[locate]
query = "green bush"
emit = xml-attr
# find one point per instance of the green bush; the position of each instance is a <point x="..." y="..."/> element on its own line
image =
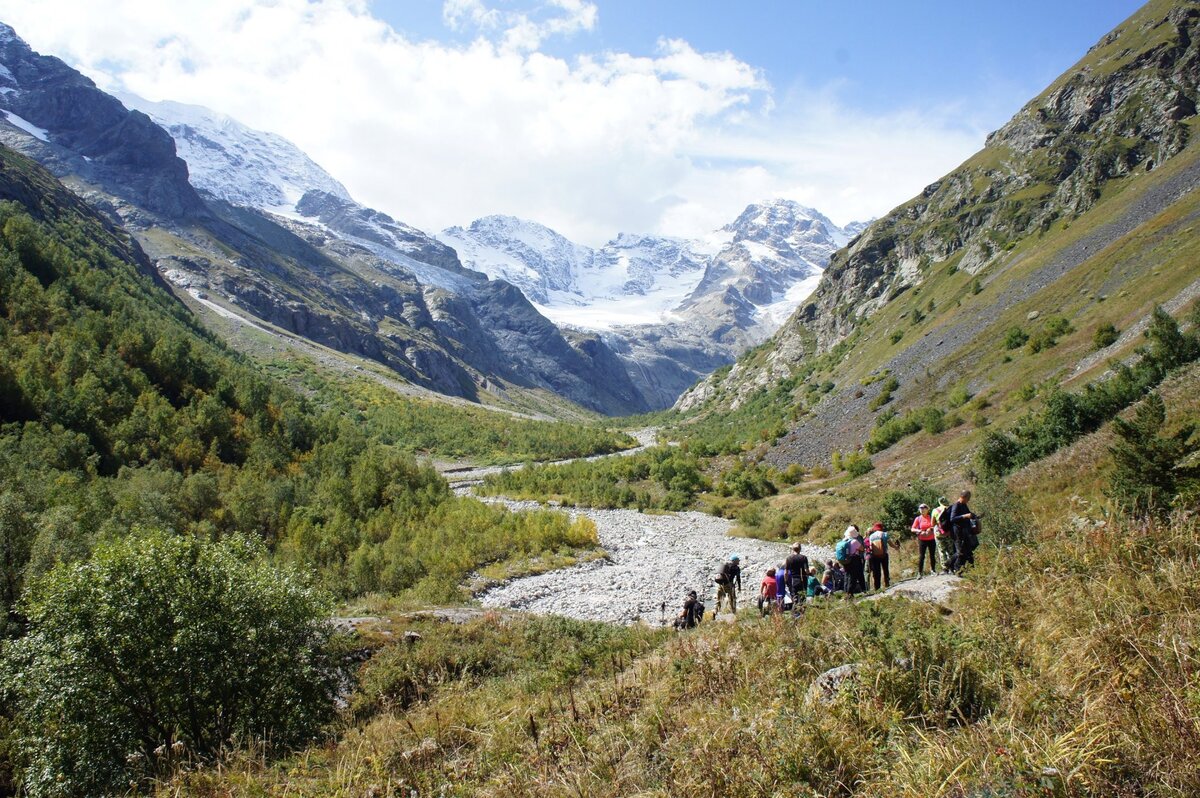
<point x="1065" y="416"/>
<point x="959" y="396"/>
<point x="886" y="393"/>
<point x="896" y="336"/>
<point x="1105" y="336"/>
<point x="890" y="427"/>
<point x="898" y="508"/>
<point x="1054" y="328"/>
<point x="1150" y="469"/>
<point x="1015" y="338"/>
<point x="857" y="464"/>
<point x="746" y="481"/>
<point x="161" y="648"/>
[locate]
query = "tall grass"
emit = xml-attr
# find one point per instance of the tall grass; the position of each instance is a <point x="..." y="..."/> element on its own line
<point x="1067" y="665"/>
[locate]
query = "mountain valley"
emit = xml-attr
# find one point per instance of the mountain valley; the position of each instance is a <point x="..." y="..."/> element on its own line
<point x="299" y="499"/>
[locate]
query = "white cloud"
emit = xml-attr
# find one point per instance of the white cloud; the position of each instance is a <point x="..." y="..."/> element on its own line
<point x="438" y="134"/>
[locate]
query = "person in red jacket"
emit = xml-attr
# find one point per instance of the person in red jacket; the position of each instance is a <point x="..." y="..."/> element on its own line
<point x="925" y="528"/>
<point x="767" y="593"/>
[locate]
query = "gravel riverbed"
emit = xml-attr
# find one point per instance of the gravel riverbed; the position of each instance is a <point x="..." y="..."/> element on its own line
<point x="653" y="559"/>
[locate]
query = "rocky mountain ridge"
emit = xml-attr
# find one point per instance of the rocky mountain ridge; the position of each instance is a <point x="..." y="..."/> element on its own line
<point x="673" y="309"/>
<point x="1037" y="222"/>
<point x="344" y="276"/>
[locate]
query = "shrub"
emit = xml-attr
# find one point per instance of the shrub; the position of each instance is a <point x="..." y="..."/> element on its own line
<point x="886" y="393"/>
<point x="746" y="481"/>
<point x="160" y="645"/>
<point x="1015" y="338"/>
<point x="896" y="336"/>
<point x="1054" y="328"/>
<point x="800" y="524"/>
<point x="976" y="287"/>
<point x="1148" y="467"/>
<point x="959" y="396"/>
<point x="898" y="508"/>
<point x="1105" y="336"/>
<point x="857" y="464"/>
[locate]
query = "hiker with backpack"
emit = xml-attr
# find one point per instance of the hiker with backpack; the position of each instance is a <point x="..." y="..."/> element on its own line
<point x="945" y="544"/>
<point x="925" y="528"/>
<point x="877" y="547"/>
<point x="692" y="613"/>
<point x="849" y="552"/>
<point x="834" y="578"/>
<point x="964" y="530"/>
<point x="729" y="575"/>
<point x="797" y="568"/>
<point x="782" y="582"/>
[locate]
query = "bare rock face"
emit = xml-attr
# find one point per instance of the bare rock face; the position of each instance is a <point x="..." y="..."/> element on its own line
<point x="120" y="149"/>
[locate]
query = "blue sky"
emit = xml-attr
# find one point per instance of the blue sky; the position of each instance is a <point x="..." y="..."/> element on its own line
<point x="881" y="54"/>
<point x="593" y="116"/>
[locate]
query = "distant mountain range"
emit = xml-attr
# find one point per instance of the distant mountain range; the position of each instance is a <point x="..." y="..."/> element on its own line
<point x="672" y="309"/>
<point x="250" y="223"/>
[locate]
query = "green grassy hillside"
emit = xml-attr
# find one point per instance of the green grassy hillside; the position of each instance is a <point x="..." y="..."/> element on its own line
<point x="996" y="281"/>
<point x="119" y="412"/>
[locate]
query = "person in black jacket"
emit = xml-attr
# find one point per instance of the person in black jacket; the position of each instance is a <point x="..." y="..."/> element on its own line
<point x="963" y="524"/>
<point x="797" y="569"/>
<point x="692" y="613"/>
<point x="729" y="575"/>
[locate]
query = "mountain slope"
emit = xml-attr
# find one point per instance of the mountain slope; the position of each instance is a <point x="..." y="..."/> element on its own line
<point x="235" y="163"/>
<point x="329" y="271"/>
<point x="1081" y="207"/>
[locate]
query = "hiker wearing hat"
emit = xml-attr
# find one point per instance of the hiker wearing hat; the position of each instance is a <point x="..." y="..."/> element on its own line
<point x="855" y="550"/>
<point x="925" y="528"/>
<point x="877" y="544"/>
<point x="730" y="573"/>
<point x="945" y="544"/>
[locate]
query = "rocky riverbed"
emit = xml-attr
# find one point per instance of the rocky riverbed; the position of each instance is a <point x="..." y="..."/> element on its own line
<point x="653" y="560"/>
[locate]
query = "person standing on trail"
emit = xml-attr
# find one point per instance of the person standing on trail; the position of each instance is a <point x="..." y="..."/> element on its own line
<point x="855" y="551"/>
<point x="963" y="524"/>
<point x="730" y="574"/>
<point x="767" y="593"/>
<point x="925" y="528"/>
<point x="782" y="580"/>
<point x="877" y="543"/>
<point x="692" y="613"/>
<point x="797" y="568"/>
<point x="945" y="544"/>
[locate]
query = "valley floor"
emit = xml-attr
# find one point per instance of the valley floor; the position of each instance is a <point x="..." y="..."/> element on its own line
<point x="654" y="559"/>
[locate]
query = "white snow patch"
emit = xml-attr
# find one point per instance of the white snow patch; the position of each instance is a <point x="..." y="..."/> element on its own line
<point x="41" y="134"/>
<point x="776" y="313"/>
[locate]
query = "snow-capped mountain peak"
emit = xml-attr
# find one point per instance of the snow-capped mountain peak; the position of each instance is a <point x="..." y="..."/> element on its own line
<point x="236" y="163"/>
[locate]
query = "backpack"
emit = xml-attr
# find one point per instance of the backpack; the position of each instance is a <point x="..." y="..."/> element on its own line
<point x="943" y="521"/>
<point x="877" y="545"/>
<point x="842" y="550"/>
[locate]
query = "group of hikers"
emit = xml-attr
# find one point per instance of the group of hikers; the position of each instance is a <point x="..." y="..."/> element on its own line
<point x="947" y="535"/>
